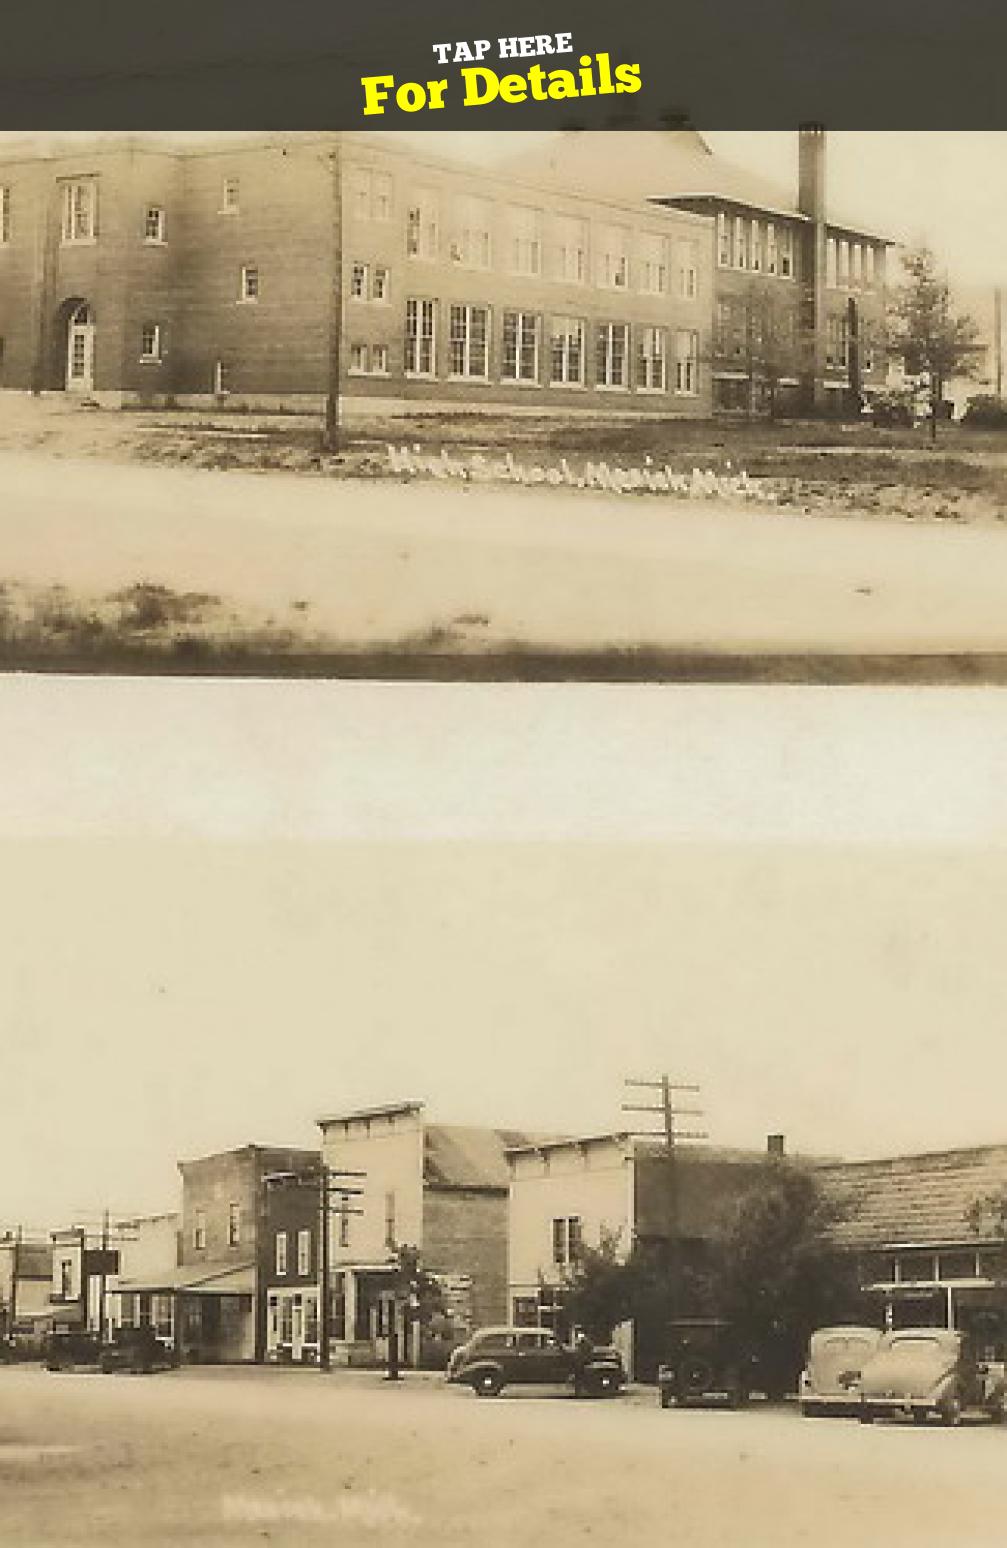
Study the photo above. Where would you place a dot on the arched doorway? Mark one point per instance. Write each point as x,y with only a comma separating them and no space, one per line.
80,349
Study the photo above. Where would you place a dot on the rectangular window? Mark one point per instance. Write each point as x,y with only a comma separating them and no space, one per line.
420,339
304,1253
843,263
652,264
344,1224
520,347
233,1224
471,245
66,1279
686,270
468,342
153,223
772,254
380,283
358,359
162,1316
379,359
568,249
740,242
687,362
755,248
286,1319
127,1309
787,252
856,265
5,214
199,1230
837,342
370,194
613,258
612,354
249,283
869,267
358,281
567,1239
150,341
230,196
525,228
421,225
281,1252
651,360
311,1319
80,211
566,351
831,270
390,1237
725,246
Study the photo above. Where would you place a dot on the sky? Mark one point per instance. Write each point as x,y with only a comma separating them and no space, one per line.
228,908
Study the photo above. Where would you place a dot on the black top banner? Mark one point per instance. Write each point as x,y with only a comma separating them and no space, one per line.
307,65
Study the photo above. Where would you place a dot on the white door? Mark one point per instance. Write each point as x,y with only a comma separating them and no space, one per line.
80,351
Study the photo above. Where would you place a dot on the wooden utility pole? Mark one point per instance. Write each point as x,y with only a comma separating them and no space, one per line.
672,1135
998,343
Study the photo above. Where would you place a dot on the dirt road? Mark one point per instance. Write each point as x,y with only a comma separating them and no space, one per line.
372,561
294,1458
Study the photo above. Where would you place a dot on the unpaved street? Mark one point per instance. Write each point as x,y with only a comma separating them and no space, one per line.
295,1458
365,562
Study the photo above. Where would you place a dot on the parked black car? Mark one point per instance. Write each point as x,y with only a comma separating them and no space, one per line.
137,1350
498,1357
66,1348
705,1362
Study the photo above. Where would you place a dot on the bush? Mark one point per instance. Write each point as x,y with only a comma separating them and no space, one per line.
986,412
893,408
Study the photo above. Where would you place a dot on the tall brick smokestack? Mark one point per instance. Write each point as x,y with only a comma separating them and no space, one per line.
811,202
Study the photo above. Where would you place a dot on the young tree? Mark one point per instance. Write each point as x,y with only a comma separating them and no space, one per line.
601,1288
779,1273
933,340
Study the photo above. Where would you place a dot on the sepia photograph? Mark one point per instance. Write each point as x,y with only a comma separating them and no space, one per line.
580,404
458,1113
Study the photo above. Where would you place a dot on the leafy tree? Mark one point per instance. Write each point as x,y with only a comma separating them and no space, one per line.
602,1287
779,1273
933,340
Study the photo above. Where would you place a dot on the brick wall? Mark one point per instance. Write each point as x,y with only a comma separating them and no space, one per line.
465,1232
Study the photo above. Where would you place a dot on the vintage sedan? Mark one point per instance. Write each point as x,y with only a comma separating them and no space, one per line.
925,1373
830,1380
495,1358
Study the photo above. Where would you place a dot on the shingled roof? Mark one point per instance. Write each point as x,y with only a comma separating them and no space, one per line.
457,1156
914,1200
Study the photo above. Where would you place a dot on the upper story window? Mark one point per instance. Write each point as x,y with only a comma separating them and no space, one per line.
233,1224
66,1279
468,352
856,265
525,239
370,194
613,257
612,354
566,351
421,225
787,252
5,215
519,362
725,245
281,1252
843,261
741,235
831,268
471,244
567,245
420,342
869,266
686,271
772,251
249,283
567,1239
687,361
199,1230
652,264
80,210
304,1253
755,249
153,223
230,196
651,360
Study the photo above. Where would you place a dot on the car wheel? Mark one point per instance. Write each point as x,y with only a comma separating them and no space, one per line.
665,1394
604,1384
920,1416
950,1410
487,1384
865,1415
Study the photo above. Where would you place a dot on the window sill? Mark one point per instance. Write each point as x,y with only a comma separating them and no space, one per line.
653,392
247,301
234,210
471,381
609,387
152,360
154,242
515,381
570,386
379,376
79,242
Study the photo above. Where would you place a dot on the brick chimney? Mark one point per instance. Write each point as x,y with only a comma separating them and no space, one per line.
811,171
776,1145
